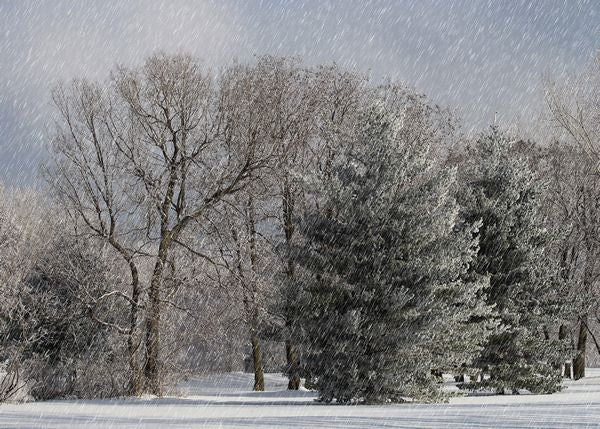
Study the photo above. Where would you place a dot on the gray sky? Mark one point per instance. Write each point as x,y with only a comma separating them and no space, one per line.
479,57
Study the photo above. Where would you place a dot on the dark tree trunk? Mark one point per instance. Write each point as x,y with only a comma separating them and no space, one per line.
259,374
151,370
151,365
293,367
135,382
562,334
152,342
135,387
289,229
546,333
579,363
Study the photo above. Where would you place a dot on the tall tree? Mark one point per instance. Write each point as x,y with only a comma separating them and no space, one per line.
573,200
140,160
316,115
384,264
574,107
502,193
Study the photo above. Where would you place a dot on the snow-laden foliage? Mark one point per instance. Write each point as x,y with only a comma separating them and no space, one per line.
66,342
385,267
203,221
503,194
59,319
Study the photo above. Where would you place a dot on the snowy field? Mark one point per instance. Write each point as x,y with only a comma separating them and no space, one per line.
224,401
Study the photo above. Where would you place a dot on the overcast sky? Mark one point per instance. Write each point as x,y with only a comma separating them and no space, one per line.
479,57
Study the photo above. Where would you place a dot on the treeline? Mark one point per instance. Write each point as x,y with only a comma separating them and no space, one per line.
350,228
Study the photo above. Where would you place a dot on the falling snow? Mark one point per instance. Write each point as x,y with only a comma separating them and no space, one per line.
281,213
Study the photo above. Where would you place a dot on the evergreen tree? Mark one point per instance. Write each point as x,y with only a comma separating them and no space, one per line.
384,264
503,193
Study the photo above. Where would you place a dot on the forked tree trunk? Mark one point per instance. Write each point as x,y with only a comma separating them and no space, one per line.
259,374
579,363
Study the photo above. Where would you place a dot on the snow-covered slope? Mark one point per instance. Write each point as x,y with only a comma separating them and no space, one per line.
225,401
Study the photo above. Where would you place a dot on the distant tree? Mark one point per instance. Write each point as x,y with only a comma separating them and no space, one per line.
573,204
574,107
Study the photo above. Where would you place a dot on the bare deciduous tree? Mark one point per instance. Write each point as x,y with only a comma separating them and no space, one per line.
574,209
142,158
574,107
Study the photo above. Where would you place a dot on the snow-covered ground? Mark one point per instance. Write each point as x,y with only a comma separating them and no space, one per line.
225,401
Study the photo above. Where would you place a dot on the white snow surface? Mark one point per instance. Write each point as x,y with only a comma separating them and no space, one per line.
226,401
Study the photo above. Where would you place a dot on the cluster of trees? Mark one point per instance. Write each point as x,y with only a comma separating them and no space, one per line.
347,228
